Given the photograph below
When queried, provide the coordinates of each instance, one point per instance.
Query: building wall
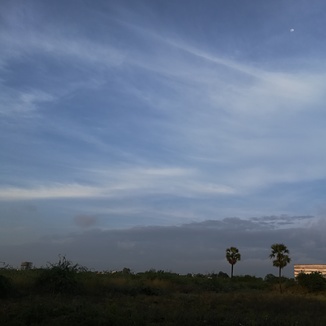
(309, 268)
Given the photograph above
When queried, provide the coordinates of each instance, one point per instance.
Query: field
(64, 294)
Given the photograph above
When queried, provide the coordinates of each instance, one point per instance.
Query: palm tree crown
(232, 256)
(280, 253)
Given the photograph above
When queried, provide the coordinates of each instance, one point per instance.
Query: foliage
(60, 277)
(203, 308)
(271, 278)
(280, 253)
(232, 256)
(5, 286)
(154, 298)
(222, 275)
(314, 282)
(5, 266)
(126, 271)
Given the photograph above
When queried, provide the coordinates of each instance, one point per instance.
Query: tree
(60, 277)
(280, 253)
(314, 281)
(232, 256)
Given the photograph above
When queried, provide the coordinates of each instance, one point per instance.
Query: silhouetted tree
(314, 281)
(280, 253)
(232, 256)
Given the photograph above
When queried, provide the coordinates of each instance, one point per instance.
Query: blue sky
(120, 115)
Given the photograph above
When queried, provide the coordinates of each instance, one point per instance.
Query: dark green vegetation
(314, 282)
(67, 294)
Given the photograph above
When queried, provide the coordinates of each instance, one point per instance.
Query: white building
(309, 268)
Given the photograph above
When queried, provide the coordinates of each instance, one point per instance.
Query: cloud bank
(189, 248)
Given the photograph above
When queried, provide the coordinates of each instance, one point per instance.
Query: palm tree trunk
(232, 270)
(279, 278)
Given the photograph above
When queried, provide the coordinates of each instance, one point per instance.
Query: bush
(314, 282)
(5, 286)
(60, 277)
(222, 275)
(271, 278)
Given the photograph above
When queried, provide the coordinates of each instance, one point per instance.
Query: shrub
(222, 275)
(60, 277)
(5, 286)
(126, 271)
(314, 282)
(271, 278)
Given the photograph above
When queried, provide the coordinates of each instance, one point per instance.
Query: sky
(156, 134)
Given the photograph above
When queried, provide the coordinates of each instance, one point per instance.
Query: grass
(156, 298)
(205, 308)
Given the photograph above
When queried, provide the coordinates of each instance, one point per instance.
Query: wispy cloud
(123, 182)
(287, 90)
(22, 103)
(49, 192)
(53, 43)
(144, 121)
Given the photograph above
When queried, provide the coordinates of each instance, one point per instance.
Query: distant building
(26, 265)
(309, 268)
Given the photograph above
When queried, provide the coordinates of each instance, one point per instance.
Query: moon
(291, 30)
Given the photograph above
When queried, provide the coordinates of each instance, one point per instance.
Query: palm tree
(232, 256)
(280, 253)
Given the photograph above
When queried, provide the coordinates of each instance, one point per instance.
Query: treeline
(65, 276)
(65, 293)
